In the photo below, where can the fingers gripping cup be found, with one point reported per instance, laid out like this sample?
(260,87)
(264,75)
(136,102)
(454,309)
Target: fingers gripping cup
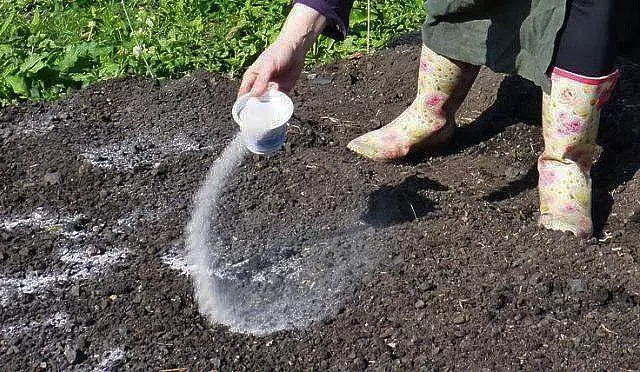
(263,120)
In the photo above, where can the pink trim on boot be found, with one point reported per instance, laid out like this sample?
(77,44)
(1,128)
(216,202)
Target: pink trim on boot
(584,79)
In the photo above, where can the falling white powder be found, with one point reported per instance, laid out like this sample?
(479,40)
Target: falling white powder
(199,249)
(176,260)
(267,286)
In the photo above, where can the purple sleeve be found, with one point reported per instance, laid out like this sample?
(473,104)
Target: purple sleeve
(336,12)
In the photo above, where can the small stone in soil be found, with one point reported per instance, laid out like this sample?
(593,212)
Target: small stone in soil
(75,291)
(70,353)
(216,363)
(459,333)
(577,285)
(600,332)
(160,169)
(26,252)
(459,319)
(51,178)
(92,250)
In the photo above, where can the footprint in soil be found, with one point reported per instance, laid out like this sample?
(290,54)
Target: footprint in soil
(393,205)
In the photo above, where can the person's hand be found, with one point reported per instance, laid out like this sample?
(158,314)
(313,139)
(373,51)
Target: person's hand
(280,66)
(282,62)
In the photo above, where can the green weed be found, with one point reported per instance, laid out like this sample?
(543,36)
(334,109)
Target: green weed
(50,46)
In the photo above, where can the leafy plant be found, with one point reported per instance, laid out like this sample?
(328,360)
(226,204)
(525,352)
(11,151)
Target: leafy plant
(50,46)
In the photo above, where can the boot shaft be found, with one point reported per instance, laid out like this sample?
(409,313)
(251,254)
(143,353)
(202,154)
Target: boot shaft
(571,113)
(570,120)
(442,83)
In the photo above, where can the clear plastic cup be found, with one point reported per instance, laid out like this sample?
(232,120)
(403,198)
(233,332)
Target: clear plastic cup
(263,120)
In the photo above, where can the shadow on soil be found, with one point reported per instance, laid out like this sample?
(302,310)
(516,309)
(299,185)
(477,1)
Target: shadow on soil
(517,101)
(513,188)
(520,101)
(620,140)
(393,205)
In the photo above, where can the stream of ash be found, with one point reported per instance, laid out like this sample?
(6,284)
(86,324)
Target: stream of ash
(199,245)
(267,286)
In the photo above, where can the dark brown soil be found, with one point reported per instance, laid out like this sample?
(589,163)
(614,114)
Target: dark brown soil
(95,192)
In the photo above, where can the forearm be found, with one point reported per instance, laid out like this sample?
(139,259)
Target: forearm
(302,27)
(336,13)
(282,62)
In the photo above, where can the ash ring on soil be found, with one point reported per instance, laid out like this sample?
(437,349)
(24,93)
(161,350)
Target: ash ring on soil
(265,286)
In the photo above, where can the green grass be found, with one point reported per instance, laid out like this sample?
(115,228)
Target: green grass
(50,46)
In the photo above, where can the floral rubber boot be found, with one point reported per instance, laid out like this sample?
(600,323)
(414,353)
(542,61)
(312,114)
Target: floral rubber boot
(429,120)
(570,119)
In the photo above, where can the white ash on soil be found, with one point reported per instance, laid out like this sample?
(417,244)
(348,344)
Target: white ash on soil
(80,266)
(268,286)
(138,151)
(57,320)
(67,226)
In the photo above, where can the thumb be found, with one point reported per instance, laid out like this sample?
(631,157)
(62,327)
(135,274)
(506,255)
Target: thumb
(261,84)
